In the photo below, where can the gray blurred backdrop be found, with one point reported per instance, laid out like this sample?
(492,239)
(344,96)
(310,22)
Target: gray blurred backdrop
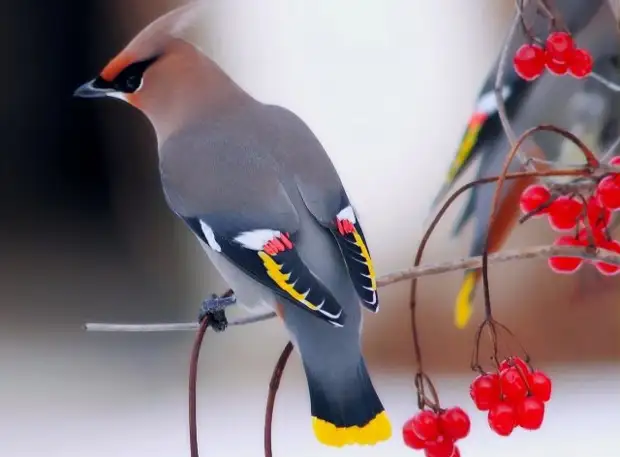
(85,235)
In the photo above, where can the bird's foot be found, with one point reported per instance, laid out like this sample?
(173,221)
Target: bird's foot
(214,309)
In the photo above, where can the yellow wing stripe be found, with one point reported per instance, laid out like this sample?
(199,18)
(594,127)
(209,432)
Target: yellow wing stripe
(367,260)
(467,145)
(274,270)
(377,430)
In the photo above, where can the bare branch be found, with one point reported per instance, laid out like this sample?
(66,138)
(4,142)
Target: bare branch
(605,82)
(176,327)
(499,78)
(499,257)
(404,275)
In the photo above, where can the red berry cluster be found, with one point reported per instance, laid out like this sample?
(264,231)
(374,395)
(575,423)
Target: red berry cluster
(514,397)
(560,55)
(566,213)
(435,433)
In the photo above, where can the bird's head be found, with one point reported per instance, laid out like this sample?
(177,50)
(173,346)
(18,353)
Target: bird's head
(162,73)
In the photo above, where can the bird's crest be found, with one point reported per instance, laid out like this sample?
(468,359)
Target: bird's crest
(153,39)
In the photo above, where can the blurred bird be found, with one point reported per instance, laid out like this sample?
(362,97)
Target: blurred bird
(594,117)
(256,187)
(527,105)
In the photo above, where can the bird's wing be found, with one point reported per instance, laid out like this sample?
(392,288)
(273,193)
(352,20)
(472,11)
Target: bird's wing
(483,125)
(234,202)
(321,189)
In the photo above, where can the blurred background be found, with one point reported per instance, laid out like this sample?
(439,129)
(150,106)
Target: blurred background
(86,236)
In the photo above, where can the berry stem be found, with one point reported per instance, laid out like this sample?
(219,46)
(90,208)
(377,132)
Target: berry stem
(492,326)
(422,381)
(499,80)
(538,210)
(527,30)
(429,231)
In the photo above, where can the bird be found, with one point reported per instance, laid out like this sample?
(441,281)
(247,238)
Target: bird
(594,117)
(256,187)
(527,105)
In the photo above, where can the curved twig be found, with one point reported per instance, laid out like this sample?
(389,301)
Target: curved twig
(499,78)
(437,218)
(465,263)
(592,163)
(274,385)
(193,378)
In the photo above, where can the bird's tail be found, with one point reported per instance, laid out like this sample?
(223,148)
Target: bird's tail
(346,409)
(463,308)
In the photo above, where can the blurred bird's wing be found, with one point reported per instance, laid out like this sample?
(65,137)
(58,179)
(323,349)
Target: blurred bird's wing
(484,124)
(544,103)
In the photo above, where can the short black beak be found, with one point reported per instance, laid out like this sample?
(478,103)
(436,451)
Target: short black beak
(88,90)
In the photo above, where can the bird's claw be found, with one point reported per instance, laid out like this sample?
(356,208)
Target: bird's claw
(217,320)
(214,309)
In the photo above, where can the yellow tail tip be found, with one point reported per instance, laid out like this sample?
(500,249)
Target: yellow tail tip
(464,309)
(377,430)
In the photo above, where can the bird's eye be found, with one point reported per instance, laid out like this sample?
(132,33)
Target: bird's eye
(130,79)
(132,83)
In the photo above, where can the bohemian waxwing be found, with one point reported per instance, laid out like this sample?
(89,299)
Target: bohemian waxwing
(258,190)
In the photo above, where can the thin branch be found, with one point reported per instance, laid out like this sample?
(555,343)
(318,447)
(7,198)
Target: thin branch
(193,380)
(469,263)
(605,82)
(464,263)
(167,327)
(274,385)
(499,78)
(610,150)
(591,160)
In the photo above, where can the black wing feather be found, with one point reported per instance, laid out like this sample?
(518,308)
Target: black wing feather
(284,273)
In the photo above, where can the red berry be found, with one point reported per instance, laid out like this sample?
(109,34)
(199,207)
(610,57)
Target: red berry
(485,391)
(530,413)
(564,213)
(580,63)
(566,265)
(533,197)
(443,446)
(502,419)
(455,423)
(560,46)
(608,192)
(598,234)
(529,61)
(615,161)
(515,361)
(410,438)
(456,452)
(598,216)
(540,386)
(554,66)
(608,269)
(513,384)
(426,425)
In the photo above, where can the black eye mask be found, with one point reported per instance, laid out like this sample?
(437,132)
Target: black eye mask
(127,81)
